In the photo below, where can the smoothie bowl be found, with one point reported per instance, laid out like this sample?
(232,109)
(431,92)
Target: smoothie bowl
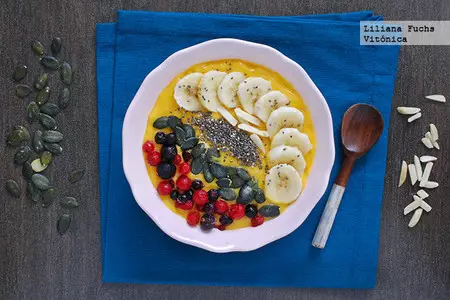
(228,145)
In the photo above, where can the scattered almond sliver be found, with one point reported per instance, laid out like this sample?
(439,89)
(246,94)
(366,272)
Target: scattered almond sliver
(415,218)
(247,117)
(414,117)
(229,117)
(258,142)
(422,194)
(431,185)
(435,145)
(434,133)
(426,174)
(412,174)
(418,167)
(252,129)
(403,173)
(407,110)
(427,143)
(427,158)
(438,98)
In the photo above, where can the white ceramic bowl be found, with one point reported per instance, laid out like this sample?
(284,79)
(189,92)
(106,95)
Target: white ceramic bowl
(146,196)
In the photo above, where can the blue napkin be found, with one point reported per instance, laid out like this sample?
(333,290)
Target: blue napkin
(327,46)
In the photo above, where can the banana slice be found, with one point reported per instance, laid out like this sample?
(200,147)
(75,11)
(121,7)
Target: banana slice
(292,137)
(227,116)
(248,118)
(258,142)
(207,90)
(287,155)
(250,90)
(283,184)
(284,117)
(227,91)
(251,129)
(268,103)
(185,93)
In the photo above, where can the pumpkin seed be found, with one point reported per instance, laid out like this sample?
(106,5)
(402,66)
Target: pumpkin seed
(23,90)
(76,175)
(259,196)
(246,195)
(55,46)
(197,164)
(40,81)
(26,134)
(54,148)
(68,202)
(236,181)
(22,155)
(50,109)
(207,173)
(27,171)
(32,111)
(224,182)
(180,134)
(65,73)
(227,193)
(211,153)
(48,197)
(20,72)
(243,174)
(49,62)
(269,210)
(64,98)
(252,183)
(37,141)
(63,224)
(46,158)
(218,170)
(40,181)
(43,96)
(47,121)
(13,188)
(197,150)
(189,143)
(173,122)
(161,123)
(231,171)
(37,47)
(17,136)
(189,130)
(37,166)
(52,136)
(33,193)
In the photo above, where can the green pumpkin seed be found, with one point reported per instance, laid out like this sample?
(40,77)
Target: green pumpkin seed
(189,143)
(54,148)
(40,81)
(13,188)
(259,196)
(243,174)
(20,72)
(63,224)
(26,133)
(252,183)
(223,182)
(43,96)
(37,47)
(211,153)
(23,90)
(236,181)
(65,73)
(246,195)
(218,170)
(207,173)
(231,171)
(22,155)
(40,181)
(197,164)
(269,210)
(76,175)
(27,171)
(32,111)
(46,158)
(47,121)
(64,98)
(52,136)
(33,193)
(48,197)
(198,150)
(180,134)
(68,202)
(56,46)
(227,193)
(50,109)
(189,130)
(38,146)
(17,136)
(161,123)
(49,62)
(173,122)
(37,166)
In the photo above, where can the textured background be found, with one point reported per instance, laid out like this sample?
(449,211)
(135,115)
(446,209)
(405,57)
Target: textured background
(36,263)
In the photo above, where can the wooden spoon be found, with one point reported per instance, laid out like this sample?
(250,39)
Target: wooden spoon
(362,126)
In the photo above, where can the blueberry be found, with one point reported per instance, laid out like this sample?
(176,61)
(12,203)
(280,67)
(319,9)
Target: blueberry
(183,198)
(168,153)
(166,170)
(189,194)
(207,222)
(187,156)
(208,208)
(197,184)
(251,211)
(170,139)
(225,220)
(160,137)
(174,195)
(213,195)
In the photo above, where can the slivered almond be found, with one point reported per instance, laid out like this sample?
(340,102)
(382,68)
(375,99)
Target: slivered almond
(427,158)
(407,110)
(403,173)
(258,142)
(428,136)
(247,117)
(422,194)
(436,145)
(434,133)
(412,206)
(427,143)
(431,185)
(426,174)
(415,218)
(426,207)
(415,117)
(226,114)
(418,167)
(252,129)
(438,98)
(412,173)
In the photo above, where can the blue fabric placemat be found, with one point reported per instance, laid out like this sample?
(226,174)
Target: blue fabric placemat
(327,46)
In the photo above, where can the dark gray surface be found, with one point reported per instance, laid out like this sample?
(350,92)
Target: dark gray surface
(36,263)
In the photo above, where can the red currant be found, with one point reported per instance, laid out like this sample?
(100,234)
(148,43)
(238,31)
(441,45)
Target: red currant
(148,147)
(257,220)
(221,207)
(186,156)
(200,197)
(193,218)
(184,206)
(183,183)
(221,227)
(177,159)
(164,188)
(154,158)
(184,168)
(237,211)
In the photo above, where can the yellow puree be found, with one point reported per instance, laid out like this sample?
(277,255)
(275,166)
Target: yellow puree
(166,105)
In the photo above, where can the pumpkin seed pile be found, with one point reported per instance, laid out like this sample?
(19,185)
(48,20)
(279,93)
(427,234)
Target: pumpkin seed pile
(36,151)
